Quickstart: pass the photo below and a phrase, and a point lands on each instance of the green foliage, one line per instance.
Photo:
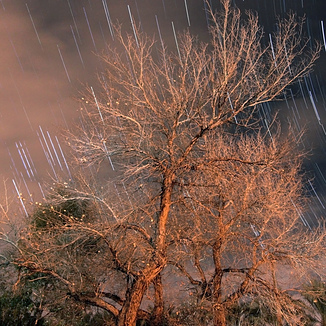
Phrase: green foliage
(249, 313)
(57, 212)
(18, 310)
(71, 314)
(190, 314)
(22, 309)
(252, 313)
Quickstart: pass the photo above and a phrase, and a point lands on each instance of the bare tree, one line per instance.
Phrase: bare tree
(188, 172)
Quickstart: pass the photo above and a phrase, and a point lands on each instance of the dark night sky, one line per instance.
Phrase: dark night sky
(49, 52)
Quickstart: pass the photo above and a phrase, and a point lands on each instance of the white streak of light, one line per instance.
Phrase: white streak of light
(187, 12)
(176, 41)
(19, 196)
(235, 118)
(316, 112)
(30, 159)
(272, 47)
(27, 161)
(64, 65)
(73, 18)
(304, 221)
(54, 150)
(73, 34)
(313, 189)
(41, 190)
(108, 18)
(323, 32)
(133, 26)
(159, 31)
(64, 159)
(97, 105)
(89, 28)
(28, 191)
(23, 161)
(107, 152)
(47, 146)
(30, 16)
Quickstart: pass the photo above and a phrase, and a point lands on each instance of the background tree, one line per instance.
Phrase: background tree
(175, 128)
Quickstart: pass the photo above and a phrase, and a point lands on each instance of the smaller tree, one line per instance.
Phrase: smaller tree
(56, 299)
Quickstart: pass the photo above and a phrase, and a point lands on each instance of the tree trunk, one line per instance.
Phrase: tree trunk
(219, 315)
(128, 313)
(218, 308)
(157, 317)
(134, 296)
(129, 310)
